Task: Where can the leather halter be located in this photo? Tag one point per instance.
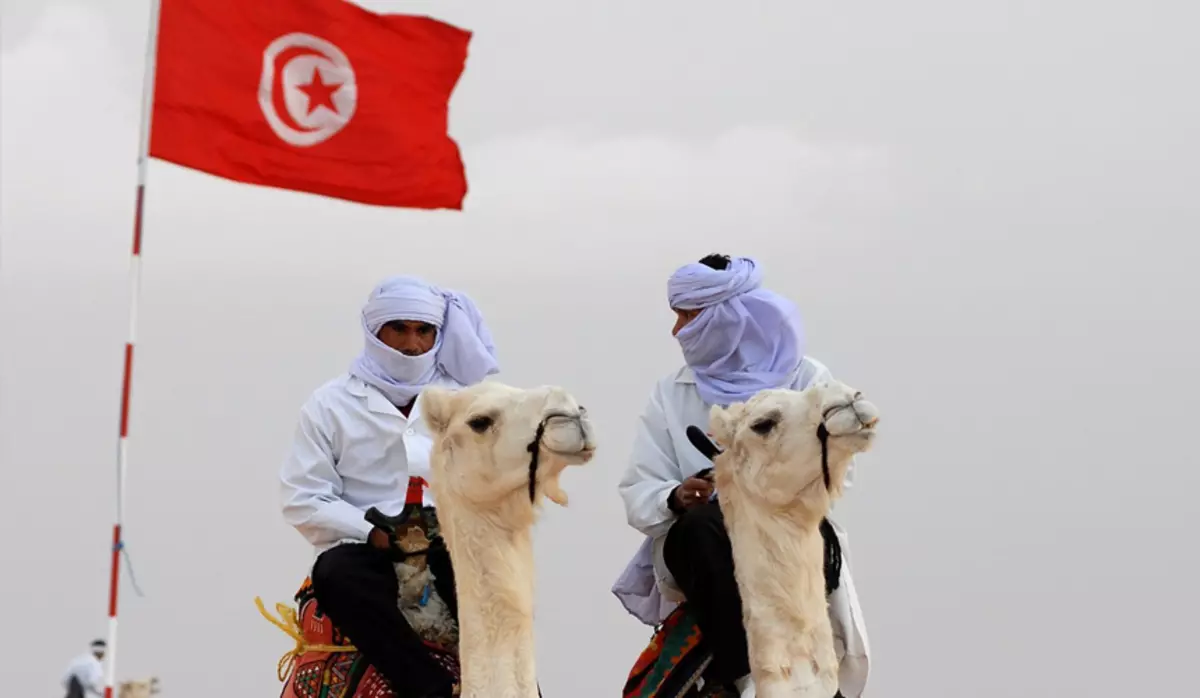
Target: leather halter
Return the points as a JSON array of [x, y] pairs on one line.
[[823, 437], [535, 446], [535, 451]]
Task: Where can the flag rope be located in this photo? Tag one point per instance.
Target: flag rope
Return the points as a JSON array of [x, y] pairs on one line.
[[135, 274]]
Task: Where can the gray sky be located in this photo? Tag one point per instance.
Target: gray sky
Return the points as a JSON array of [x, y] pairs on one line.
[[987, 212]]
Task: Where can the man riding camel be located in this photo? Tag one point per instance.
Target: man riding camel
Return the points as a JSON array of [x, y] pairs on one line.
[[85, 674], [360, 438], [737, 339]]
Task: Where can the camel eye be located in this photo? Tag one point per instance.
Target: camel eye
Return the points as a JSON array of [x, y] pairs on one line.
[[480, 424], [764, 426]]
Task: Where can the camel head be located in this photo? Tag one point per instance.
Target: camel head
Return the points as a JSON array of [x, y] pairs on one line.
[[143, 688], [496, 445], [774, 445]]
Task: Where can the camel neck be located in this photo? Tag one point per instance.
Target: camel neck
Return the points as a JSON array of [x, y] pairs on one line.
[[792, 544], [494, 580], [779, 563]]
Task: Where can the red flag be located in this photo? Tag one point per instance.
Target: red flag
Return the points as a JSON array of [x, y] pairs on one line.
[[319, 96]]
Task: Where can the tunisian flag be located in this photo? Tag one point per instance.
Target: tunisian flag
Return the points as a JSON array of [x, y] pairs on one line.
[[319, 96]]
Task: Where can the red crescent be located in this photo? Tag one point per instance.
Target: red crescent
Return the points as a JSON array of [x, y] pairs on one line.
[[281, 60]]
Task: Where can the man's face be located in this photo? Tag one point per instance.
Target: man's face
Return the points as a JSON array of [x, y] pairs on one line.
[[682, 318], [99, 653], [408, 337]]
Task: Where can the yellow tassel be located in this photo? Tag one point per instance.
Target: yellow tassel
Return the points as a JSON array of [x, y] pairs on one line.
[[289, 623]]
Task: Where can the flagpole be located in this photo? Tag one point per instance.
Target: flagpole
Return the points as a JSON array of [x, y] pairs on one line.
[[135, 276]]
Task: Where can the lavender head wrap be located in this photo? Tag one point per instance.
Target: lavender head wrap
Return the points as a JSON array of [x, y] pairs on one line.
[[745, 339], [463, 351]]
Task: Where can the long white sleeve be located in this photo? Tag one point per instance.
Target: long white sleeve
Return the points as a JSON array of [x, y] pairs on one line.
[[653, 472], [94, 679], [311, 488]]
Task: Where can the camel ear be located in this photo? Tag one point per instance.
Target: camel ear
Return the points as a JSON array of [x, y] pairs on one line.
[[437, 408], [722, 422]]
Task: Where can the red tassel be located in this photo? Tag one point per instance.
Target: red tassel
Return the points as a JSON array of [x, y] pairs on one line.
[[416, 491]]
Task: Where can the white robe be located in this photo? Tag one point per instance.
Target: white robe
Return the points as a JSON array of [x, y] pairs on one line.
[[88, 670], [352, 450]]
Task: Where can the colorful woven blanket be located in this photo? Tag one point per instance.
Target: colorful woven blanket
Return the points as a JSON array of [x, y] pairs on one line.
[[673, 662], [325, 663]]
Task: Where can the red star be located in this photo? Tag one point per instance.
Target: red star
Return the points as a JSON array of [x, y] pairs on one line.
[[320, 94]]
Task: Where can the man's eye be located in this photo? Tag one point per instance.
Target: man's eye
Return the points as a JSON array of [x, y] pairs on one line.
[[480, 424]]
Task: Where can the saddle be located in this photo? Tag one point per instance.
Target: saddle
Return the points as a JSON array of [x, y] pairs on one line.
[[324, 662]]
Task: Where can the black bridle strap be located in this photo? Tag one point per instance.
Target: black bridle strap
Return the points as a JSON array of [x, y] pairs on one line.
[[833, 547], [535, 450], [823, 437]]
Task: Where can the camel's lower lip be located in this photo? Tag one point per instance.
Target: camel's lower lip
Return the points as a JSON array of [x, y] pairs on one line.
[[580, 452], [868, 431]]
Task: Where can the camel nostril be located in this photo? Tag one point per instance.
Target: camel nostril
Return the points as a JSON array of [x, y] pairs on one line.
[[870, 421]]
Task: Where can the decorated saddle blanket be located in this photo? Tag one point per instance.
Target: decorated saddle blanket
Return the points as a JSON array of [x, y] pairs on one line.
[[328, 666], [673, 663], [324, 662]]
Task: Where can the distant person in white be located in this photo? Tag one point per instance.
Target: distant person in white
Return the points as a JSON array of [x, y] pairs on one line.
[[359, 439], [737, 339], [85, 675]]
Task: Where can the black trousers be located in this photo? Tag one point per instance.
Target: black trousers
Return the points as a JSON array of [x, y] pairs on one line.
[[700, 558], [356, 586], [74, 688]]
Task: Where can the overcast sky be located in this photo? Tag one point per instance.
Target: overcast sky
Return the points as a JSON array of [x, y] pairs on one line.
[[987, 211]]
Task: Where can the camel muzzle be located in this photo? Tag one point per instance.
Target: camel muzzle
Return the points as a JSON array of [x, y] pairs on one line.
[[585, 442], [849, 418]]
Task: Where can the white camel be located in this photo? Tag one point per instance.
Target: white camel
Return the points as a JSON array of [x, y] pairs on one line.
[[785, 455], [497, 451], [142, 688]]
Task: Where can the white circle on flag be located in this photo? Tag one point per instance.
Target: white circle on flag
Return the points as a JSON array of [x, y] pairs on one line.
[[307, 91]]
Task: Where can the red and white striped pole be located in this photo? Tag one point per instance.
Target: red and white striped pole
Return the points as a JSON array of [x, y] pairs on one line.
[[135, 275]]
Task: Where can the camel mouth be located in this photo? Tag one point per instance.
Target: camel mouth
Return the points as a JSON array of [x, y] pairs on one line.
[[863, 436], [569, 436], [857, 419], [585, 452], [863, 428]]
